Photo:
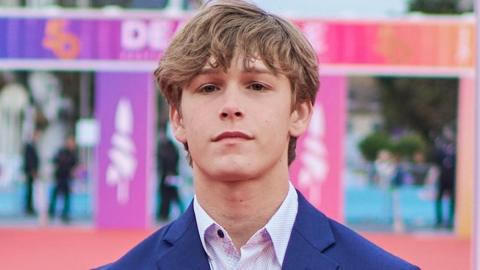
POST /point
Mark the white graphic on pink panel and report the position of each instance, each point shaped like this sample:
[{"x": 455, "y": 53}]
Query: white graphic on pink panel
[
  {"x": 314, "y": 165},
  {"x": 123, "y": 163},
  {"x": 464, "y": 45},
  {"x": 316, "y": 33}
]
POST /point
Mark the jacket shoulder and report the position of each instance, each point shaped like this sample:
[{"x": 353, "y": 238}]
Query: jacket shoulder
[
  {"x": 356, "y": 252},
  {"x": 143, "y": 255}
]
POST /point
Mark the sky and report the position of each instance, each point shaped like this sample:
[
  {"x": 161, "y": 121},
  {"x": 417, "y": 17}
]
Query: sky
[{"x": 355, "y": 8}]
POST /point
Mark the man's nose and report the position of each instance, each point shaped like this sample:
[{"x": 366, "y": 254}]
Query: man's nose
[{"x": 231, "y": 108}]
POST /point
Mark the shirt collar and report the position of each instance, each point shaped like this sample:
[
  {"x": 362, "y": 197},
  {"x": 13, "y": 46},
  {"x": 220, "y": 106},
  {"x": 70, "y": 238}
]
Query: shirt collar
[
  {"x": 279, "y": 227},
  {"x": 204, "y": 221}
]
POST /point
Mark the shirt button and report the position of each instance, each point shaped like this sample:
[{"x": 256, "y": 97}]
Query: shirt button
[{"x": 220, "y": 233}]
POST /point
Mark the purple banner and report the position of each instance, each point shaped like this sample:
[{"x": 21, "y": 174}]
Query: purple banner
[
  {"x": 85, "y": 39},
  {"x": 124, "y": 109}
]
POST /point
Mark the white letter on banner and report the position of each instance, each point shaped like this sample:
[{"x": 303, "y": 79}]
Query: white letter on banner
[
  {"x": 134, "y": 35},
  {"x": 159, "y": 34},
  {"x": 464, "y": 45},
  {"x": 316, "y": 33}
]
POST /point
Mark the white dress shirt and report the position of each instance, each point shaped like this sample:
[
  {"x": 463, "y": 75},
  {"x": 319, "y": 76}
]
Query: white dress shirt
[{"x": 264, "y": 250}]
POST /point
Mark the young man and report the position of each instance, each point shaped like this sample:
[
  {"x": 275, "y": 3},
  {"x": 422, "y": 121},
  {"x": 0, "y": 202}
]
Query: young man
[
  {"x": 31, "y": 164},
  {"x": 65, "y": 162},
  {"x": 241, "y": 84}
]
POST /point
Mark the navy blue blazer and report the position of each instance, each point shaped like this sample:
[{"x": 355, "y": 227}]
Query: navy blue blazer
[{"x": 316, "y": 242}]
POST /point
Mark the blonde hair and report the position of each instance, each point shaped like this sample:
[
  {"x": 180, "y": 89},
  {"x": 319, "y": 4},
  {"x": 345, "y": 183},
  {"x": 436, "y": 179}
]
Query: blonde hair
[{"x": 222, "y": 29}]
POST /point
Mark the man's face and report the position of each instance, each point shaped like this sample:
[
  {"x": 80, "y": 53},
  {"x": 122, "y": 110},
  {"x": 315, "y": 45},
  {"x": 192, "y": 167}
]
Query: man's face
[
  {"x": 70, "y": 143},
  {"x": 237, "y": 124},
  {"x": 36, "y": 136}
]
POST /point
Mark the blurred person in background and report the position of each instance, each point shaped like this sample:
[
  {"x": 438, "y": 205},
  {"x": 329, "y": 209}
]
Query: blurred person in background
[
  {"x": 386, "y": 170},
  {"x": 65, "y": 162},
  {"x": 445, "y": 158},
  {"x": 398, "y": 179},
  {"x": 419, "y": 169},
  {"x": 240, "y": 83},
  {"x": 428, "y": 179},
  {"x": 168, "y": 189},
  {"x": 31, "y": 164}
]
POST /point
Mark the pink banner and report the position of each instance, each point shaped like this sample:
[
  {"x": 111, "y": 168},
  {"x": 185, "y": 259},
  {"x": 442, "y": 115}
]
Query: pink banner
[
  {"x": 419, "y": 43},
  {"x": 317, "y": 170}
]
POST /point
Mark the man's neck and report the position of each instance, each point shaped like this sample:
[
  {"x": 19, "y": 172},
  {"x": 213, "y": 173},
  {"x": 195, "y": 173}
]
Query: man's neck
[{"x": 242, "y": 207}]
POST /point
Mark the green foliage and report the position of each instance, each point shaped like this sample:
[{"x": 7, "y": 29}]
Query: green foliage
[
  {"x": 405, "y": 146},
  {"x": 408, "y": 145},
  {"x": 422, "y": 105},
  {"x": 373, "y": 143},
  {"x": 439, "y": 6}
]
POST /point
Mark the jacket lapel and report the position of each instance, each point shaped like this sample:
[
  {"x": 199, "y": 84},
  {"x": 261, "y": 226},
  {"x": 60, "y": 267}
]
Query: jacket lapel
[
  {"x": 311, "y": 236},
  {"x": 186, "y": 251}
]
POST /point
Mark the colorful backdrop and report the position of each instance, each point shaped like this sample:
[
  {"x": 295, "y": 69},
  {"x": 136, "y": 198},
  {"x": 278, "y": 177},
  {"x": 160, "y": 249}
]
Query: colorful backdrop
[{"x": 132, "y": 42}]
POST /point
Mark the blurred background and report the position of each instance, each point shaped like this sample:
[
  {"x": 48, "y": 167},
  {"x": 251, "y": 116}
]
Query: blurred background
[{"x": 85, "y": 146}]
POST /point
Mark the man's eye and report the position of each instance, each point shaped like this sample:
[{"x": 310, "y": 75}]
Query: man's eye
[
  {"x": 209, "y": 88},
  {"x": 257, "y": 87}
]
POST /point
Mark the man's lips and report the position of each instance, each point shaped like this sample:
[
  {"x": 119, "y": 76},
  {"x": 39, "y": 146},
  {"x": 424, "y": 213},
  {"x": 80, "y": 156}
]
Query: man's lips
[{"x": 232, "y": 135}]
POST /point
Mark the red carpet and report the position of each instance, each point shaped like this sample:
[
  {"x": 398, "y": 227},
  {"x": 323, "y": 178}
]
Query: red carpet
[
  {"x": 430, "y": 252},
  {"x": 76, "y": 248}
]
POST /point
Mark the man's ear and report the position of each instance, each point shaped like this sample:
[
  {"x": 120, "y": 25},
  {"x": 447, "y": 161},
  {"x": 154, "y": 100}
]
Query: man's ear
[
  {"x": 300, "y": 118},
  {"x": 176, "y": 121}
]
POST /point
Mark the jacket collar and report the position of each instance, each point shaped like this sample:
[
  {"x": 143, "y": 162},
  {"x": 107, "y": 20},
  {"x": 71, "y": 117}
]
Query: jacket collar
[
  {"x": 186, "y": 251},
  {"x": 311, "y": 236}
]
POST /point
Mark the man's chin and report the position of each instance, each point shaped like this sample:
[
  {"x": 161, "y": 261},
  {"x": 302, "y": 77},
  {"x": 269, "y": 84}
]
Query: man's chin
[
  {"x": 226, "y": 175},
  {"x": 229, "y": 169}
]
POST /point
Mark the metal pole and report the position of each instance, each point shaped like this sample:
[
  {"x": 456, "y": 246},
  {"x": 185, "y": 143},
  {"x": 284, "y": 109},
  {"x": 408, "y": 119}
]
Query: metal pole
[
  {"x": 476, "y": 228},
  {"x": 85, "y": 105}
]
